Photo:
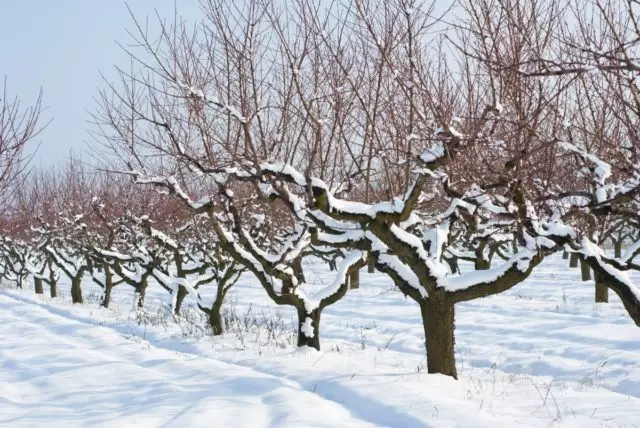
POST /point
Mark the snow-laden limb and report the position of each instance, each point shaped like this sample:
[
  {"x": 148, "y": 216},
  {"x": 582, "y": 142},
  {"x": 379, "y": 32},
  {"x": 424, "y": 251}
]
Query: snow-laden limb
[
  {"x": 353, "y": 260},
  {"x": 195, "y": 92},
  {"x": 434, "y": 152},
  {"x": 631, "y": 252},
  {"x": 614, "y": 275},
  {"x": 173, "y": 283},
  {"x": 401, "y": 274},
  {"x": 492, "y": 281},
  {"x": 432, "y": 261},
  {"x": 170, "y": 242},
  {"x": 601, "y": 170},
  {"x": 115, "y": 255},
  {"x": 347, "y": 238}
]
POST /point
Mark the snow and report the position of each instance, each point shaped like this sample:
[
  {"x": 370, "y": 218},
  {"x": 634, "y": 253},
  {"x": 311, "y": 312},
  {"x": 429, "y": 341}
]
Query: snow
[
  {"x": 404, "y": 272},
  {"x": 307, "y": 327},
  {"x": 601, "y": 170},
  {"x": 540, "y": 355},
  {"x": 469, "y": 279},
  {"x": 63, "y": 371},
  {"x": 434, "y": 152}
]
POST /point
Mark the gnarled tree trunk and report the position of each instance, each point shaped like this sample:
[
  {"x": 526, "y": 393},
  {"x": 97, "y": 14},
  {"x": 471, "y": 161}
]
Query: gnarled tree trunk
[
  {"x": 439, "y": 324},
  {"x": 308, "y": 327},
  {"x": 617, "y": 248},
  {"x": 354, "y": 279},
  {"x": 371, "y": 265},
  {"x": 182, "y": 293},
  {"x": 37, "y": 283},
  {"x": 142, "y": 290},
  {"x": 76, "y": 290},
  {"x": 585, "y": 270},
  {"x": 573, "y": 261},
  {"x": 453, "y": 264},
  {"x": 215, "y": 318},
  {"x": 53, "y": 285},
  {"x": 108, "y": 285},
  {"x": 482, "y": 264},
  {"x": 602, "y": 291}
]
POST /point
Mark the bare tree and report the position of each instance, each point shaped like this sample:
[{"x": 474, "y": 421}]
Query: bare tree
[{"x": 18, "y": 126}]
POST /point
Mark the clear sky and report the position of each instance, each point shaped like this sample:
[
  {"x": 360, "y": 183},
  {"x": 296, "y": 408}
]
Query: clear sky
[{"x": 62, "y": 46}]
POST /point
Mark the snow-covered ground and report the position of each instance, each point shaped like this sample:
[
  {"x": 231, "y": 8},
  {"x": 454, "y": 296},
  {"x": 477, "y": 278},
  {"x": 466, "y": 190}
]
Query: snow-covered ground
[{"x": 542, "y": 354}]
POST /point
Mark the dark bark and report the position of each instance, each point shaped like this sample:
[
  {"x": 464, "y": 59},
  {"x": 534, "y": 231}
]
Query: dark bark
[
  {"x": 37, "y": 282},
  {"x": 303, "y": 339},
  {"x": 215, "y": 318},
  {"x": 53, "y": 285},
  {"x": 573, "y": 261},
  {"x": 617, "y": 248},
  {"x": 602, "y": 291},
  {"x": 438, "y": 322},
  {"x": 629, "y": 298},
  {"x": 182, "y": 293},
  {"x": 482, "y": 264},
  {"x": 76, "y": 290},
  {"x": 108, "y": 286},
  {"x": 585, "y": 270},
  {"x": 354, "y": 279},
  {"x": 371, "y": 265},
  {"x": 142, "y": 290},
  {"x": 453, "y": 264}
]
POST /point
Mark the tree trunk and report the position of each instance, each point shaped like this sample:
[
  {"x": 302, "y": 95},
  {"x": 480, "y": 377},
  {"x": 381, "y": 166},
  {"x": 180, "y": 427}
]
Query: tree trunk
[
  {"x": 76, "y": 290},
  {"x": 617, "y": 248},
  {"x": 108, "y": 285},
  {"x": 306, "y": 323},
  {"x": 438, "y": 321},
  {"x": 142, "y": 290},
  {"x": 573, "y": 261},
  {"x": 354, "y": 279},
  {"x": 585, "y": 270},
  {"x": 37, "y": 282},
  {"x": 453, "y": 264},
  {"x": 371, "y": 264},
  {"x": 482, "y": 264},
  {"x": 215, "y": 318},
  {"x": 565, "y": 256},
  {"x": 53, "y": 285},
  {"x": 602, "y": 291},
  {"x": 182, "y": 293}
]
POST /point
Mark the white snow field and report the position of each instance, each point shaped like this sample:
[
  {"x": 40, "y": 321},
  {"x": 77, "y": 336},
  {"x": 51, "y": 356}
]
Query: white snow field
[{"x": 541, "y": 355}]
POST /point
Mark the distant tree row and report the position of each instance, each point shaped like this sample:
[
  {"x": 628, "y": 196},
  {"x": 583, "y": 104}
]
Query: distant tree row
[{"x": 452, "y": 150}]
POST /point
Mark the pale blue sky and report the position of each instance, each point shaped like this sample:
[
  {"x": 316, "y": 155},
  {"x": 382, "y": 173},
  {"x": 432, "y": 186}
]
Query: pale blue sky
[{"x": 62, "y": 46}]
